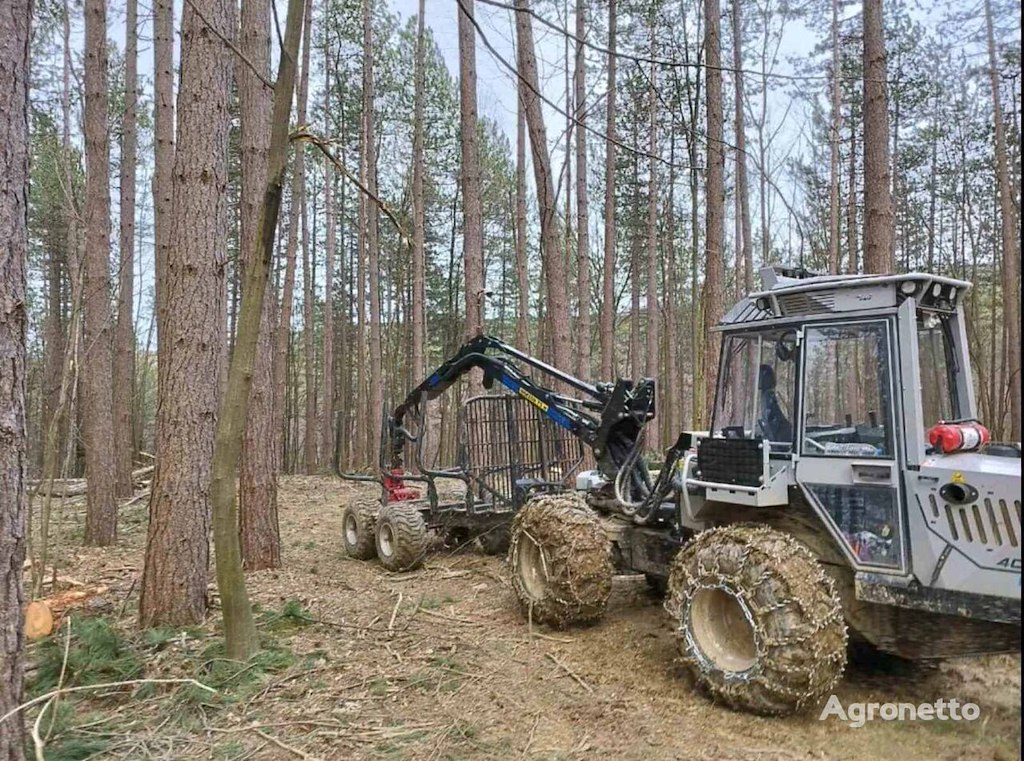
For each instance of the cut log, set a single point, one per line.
(38, 620)
(43, 616)
(75, 487)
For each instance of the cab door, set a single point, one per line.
(847, 457)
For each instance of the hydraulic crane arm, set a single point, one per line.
(608, 418)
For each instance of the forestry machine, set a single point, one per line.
(845, 492)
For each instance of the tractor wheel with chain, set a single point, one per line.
(560, 562)
(495, 540)
(760, 623)
(358, 522)
(401, 536)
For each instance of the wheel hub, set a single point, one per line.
(351, 530)
(385, 540)
(722, 630)
(531, 567)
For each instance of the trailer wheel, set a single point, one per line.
(559, 559)
(495, 541)
(357, 529)
(760, 623)
(401, 536)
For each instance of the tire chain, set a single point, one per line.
(578, 588)
(814, 598)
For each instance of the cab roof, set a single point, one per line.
(793, 292)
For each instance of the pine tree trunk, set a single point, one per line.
(636, 365)
(419, 297)
(59, 269)
(376, 376)
(851, 205)
(565, 177)
(673, 392)
(97, 367)
(833, 140)
(282, 348)
(57, 419)
(309, 428)
(365, 423)
(522, 260)
(1009, 232)
(177, 551)
(14, 155)
(714, 276)
(932, 198)
(556, 282)
(652, 369)
(124, 358)
(327, 409)
(163, 167)
(472, 227)
(583, 338)
(55, 344)
(607, 312)
(746, 243)
(878, 210)
(699, 356)
(260, 455)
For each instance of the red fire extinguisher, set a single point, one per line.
(958, 436)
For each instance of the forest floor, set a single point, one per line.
(438, 664)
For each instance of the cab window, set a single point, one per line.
(757, 388)
(847, 398)
(938, 369)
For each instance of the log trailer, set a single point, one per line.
(845, 491)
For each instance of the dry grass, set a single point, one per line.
(438, 665)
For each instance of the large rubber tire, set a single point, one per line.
(560, 561)
(760, 623)
(358, 522)
(495, 541)
(401, 536)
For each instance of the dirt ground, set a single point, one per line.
(438, 664)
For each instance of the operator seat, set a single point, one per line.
(774, 424)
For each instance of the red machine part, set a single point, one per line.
(946, 438)
(397, 489)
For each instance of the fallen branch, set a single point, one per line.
(391, 623)
(258, 729)
(576, 677)
(104, 686)
(304, 134)
(285, 746)
(456, 619)
(37, 739)
(529, 740)
(138, 497)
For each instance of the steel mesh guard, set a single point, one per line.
(507, 443)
